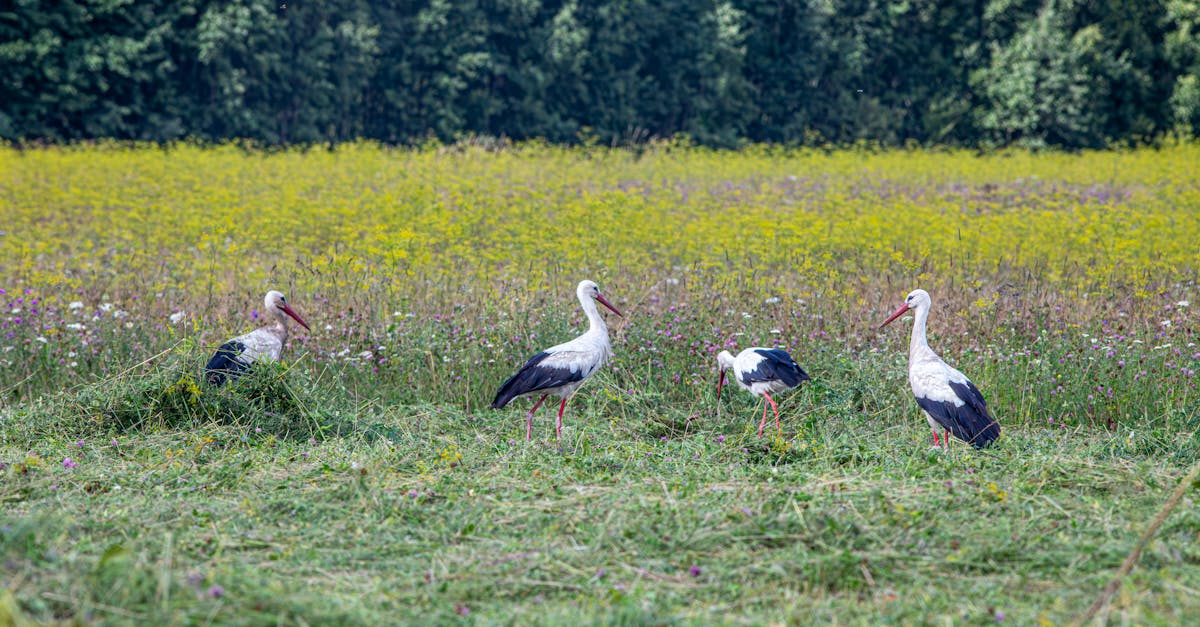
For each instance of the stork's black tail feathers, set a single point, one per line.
(534, 376)
(224, 364)
(779, 364)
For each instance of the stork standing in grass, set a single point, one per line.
(761, 371)
(950, 402)
(560, 370)
(265, 344)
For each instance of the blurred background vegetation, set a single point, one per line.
(1066, 73)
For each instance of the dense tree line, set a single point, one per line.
(1072, 73)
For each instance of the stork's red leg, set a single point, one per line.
(764, 421)
(946, 439)
(561, 407)
(529, 421)
(935, 439)
(770, 400)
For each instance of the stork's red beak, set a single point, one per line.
(295, 316)
(899, 312)
(604, 301)
(720, 382)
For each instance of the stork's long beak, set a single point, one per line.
(604, 301)
(720, 382)
(287, 309)
(899, 312)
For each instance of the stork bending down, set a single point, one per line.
(761, 371)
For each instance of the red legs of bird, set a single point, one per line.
(529, 421)
(778, 427)
(561, 407)
(936, 442)
(764, 418)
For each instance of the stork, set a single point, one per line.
(263, 344)
(560, 370)
(950, 402)
(761, 371)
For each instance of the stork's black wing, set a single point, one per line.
(970, 422)
(776, 365)
(536, 375)
(225, 364)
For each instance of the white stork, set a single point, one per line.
(263, 344)
(560, 370)
(950, 402)
(761, 371)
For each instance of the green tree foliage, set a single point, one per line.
(1182, 51)
(1036, 89)
(1069, 73)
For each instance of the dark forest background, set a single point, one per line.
(1069, 73)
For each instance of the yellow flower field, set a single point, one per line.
(366, 222)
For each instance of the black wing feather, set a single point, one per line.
(225, 364)
(970, 422)
(533, 377)
(776, 365)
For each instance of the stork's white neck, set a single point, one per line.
(918, 343)
(595, 320)
(281, 324)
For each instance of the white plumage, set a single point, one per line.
(262, 344)
(560, 370)
(762, 372)
(950, 402)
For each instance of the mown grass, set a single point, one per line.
(362, 481)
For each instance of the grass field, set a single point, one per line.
(363, 480)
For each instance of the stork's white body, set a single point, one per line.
(948, 399)
(747, 362)
(930, 377)
(263, 343)
(562, 369)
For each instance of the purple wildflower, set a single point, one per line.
(70, 463)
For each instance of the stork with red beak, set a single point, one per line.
(761, 371)
(560, 370)
(950, 402)
(264, 344)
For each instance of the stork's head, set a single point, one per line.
(277, 306)
(724, 362)
(916, 299)
(589, 289)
